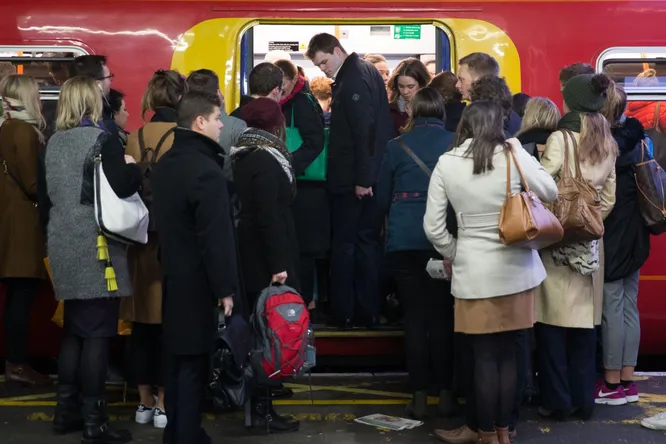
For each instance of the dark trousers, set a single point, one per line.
(83, 362)
(146, 351)
(21, 293)
(523, 370)
(185, 382)
(428, 310)
(355, 263)
(566, 360)
(313, 270)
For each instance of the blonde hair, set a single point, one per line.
(647, 78)
(616, 104)
(596, 141)
(541, 113)
(26, 90)
(80, 98)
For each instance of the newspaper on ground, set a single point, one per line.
(388, 422)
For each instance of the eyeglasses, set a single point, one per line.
(110, 76)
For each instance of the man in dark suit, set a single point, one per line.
(193, 219)
(360, 128)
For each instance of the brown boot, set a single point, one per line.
(462, 435)
(25, 375)
(503, 435)
(487, 438)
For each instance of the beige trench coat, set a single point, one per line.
(567, 298)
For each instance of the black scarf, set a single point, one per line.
(570, 121)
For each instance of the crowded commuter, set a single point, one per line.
(471, 68)
(321, 88)
(120, 114)
(519, 103)
(360, 128)
(569, 302)
(266, 184)
(96, 66)
(427, 302)
(197, 251)
(22, 247)
(265, 80)
(379, 62)
(144, 309)
(431, 66)
(539, 122)
(90, 283)
(407, 79)
(310, 208)
(626, 248)
(207, 81)
(488, 311)
(573, 70)
(495, 88)
(445, 83)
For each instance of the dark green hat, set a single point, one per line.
(586, 93)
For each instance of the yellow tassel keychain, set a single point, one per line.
(102, 248)
(110, 276)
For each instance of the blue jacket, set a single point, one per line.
(403, 186)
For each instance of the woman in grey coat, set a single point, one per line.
(81, 276)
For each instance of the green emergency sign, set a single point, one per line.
(405, 32)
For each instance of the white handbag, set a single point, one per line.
(124, 220)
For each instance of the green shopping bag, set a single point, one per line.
(317, 169)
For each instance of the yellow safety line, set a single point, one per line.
(29, 397)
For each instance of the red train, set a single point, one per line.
(531, 39)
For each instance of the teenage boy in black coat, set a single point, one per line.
(198, 253)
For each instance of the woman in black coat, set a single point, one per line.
(311, 208)
(266, 185)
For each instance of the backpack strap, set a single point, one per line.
(416, 158)
(160, 143)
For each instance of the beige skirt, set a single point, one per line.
(495, 315)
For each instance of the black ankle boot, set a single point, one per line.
(67, 417)
(96, 428)
(265, 420)
(281, 392)
(417, 407)
(448, 404)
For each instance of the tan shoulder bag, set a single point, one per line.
(524, 221)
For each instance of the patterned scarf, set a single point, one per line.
(14, 109)
(253, 139)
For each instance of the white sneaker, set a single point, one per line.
(160, 418)
(144, 414)
(656, 422)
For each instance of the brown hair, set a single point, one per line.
(427, 102)
(165, 89)
(321, 88)
(445, 83)
(480, 64)
(323, 42)
(264, 78)
(289, 69)
(483, 122)
(495, 89)
(616, 103)
(573, 70)
(374, 58)
(410, 67)
(596, 141)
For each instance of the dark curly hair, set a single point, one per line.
(494, 89)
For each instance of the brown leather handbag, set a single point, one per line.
(524, 220)
(651, 183)
(578, 205)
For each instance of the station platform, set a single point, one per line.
(327, 416)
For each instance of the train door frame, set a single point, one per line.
(443, 54)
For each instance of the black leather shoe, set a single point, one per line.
(96, 428)
(67, 417)
(281, 392)
(265, 420)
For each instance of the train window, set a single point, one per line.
(395, 42)
(49, 65)
(641, 71)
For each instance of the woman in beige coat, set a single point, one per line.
(493, 284)
(569, 302)
(144, 308)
